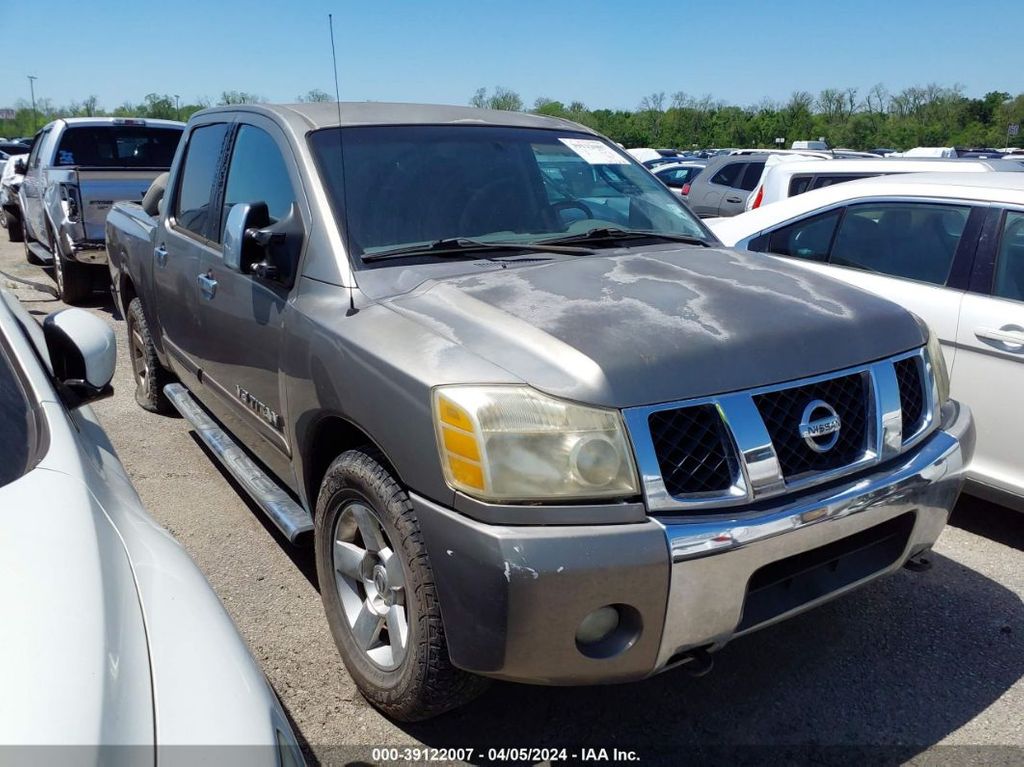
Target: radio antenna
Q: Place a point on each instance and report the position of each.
(341, 154)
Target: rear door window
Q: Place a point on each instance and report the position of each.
(1009, 276)
(729, 175)
(199, 172)
(751, 176)
(914, 241)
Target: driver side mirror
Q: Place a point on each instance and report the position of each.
(83, 353)
(20, 166)
(254, 245)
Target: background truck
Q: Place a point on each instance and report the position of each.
(77, 169)
(540, 425)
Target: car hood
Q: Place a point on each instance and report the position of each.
(75, 663)
(662, 324)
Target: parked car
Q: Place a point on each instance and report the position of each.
(796, 175)
(111, 635)
(77, 169)
(11, 176)
(949, 247)
(722, 188)
(678, 176)
(535, 436)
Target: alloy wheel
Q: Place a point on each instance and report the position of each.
(371, 585)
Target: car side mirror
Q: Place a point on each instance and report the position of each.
(83, 353)
(254, 245)
(20, 166)
(240, 253)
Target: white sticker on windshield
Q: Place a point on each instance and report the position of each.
(594, 152)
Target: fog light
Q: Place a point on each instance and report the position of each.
(597, 625)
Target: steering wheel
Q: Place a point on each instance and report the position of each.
(561, 205)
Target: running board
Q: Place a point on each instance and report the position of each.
(290, 518)
(40, 252)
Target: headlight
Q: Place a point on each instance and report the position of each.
(938, 365)
(512, 443)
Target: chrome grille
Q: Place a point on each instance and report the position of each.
(691, 444)
(908, 376)
(705, 454)
(783, 410)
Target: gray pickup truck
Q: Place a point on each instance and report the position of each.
(77, 169)
(541, 426)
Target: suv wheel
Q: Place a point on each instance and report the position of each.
(150, 376)
(379, 595)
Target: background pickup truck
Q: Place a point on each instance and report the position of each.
(77, 169)
(540, 425)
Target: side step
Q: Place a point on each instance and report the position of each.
(40, 252)
(290, 518)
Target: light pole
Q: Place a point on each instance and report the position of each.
(177, 112)
(32, 89)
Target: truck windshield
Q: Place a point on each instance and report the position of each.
(403, 186)
(118, 146)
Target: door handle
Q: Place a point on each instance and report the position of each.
(733, 199)
(160, 254)
(1011, 335)
(207, 285)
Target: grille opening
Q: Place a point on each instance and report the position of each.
(692, 449)
(911, 383)
(783, 410)
(789, 583)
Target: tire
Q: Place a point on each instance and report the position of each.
(74, 280)
(411, 683)
(149, 375)
(13, 225)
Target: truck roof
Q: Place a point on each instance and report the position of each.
(325, 114)
(104, 121)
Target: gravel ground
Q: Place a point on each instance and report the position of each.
(905, 669)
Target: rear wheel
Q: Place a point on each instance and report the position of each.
(379, 594)
(74, 280)
(150, 376)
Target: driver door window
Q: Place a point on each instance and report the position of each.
(257, 174)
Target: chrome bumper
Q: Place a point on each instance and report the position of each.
(713, 561)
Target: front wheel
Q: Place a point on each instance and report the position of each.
(379, 594)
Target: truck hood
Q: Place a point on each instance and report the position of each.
(662, 324)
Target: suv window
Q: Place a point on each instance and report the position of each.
(915, 241)
(751, 176)
(202, 157)
(729, 175)
(676, 177)
(1009, 278)
(16, 432)
(809, 238)
(820, 182)
(258, 173)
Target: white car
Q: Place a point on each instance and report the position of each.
(789, 175)
(113, 641)
(947, 246)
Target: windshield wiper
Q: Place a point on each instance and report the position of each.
(611, 233)
(465, 247)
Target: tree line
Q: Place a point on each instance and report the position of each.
(930, 115)
(162, 106)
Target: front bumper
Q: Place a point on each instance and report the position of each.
(513, 597)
